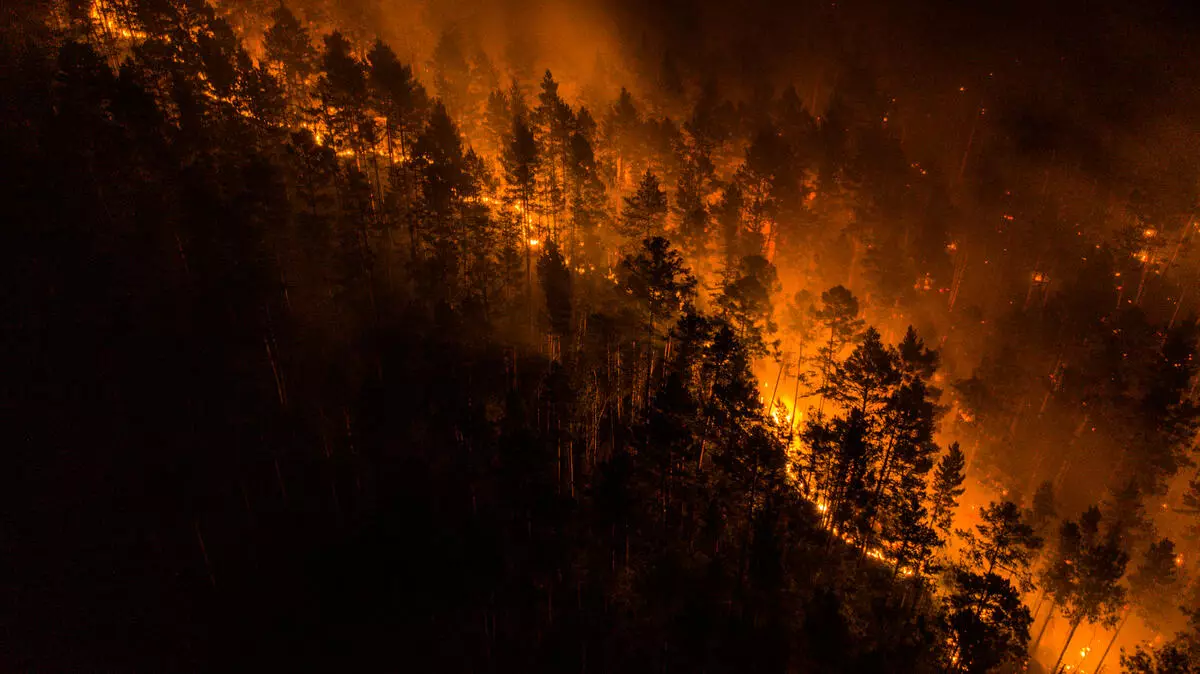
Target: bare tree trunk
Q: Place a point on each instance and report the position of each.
(1120, 626)
(775, 388)
(1063, 652)
(1049, 617)
(796, 392)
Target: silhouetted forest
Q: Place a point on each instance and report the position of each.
(324, 355)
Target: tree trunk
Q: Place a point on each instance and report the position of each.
(1038, 609)
(796, 391)
(1063, 652)
(1120, 626)
(775, 388)
(1049, 617)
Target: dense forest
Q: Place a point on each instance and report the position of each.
(326, 354)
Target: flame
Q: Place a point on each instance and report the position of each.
(111, 25)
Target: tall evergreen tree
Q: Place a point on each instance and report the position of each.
(645, 213)
(947, 486)
(288, 49)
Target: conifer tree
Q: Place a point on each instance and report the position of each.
(399, 96)
(1092, 563)
(947, 486)
(288, 49)
(841, 324)
(746, 301)
(645, 213)
(989, 623)
(342, 89)
(555, 278)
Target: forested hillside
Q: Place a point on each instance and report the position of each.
(320, 359)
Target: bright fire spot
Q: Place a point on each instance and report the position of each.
(1149, 232)
(111, 25)
(534, 242)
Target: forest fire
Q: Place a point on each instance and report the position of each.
(601, 336)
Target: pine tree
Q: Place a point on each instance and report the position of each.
(746, 301)
(839, 317)
(657, 279)
(729, 221)
(554, 121)
(988, 620)
(865, 380)
(1155, 577)
(520, 171)
(497, 122)
(1044, 509)
(989, 625)
(691, 209)
(342, 89)
(1092, 563)
(622, 131)
(586, 199)
(645, 213)
(289, 51)
(399, 96)
(443, 169)
(555, 278)
(908, 526)
(947, 488)
(766, 163)
(1001, 542)
(451, 72)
